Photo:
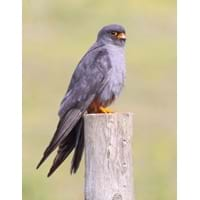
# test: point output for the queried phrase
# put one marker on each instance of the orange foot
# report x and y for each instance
(104, 110)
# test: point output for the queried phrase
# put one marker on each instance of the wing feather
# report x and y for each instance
(90, 77)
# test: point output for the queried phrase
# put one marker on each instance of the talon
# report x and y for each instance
(104, 110)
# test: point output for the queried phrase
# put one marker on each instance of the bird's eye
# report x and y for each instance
(114, 33)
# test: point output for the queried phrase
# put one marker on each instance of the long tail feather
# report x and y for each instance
(64, 150)
(65, 126)
(79, 147)
(66, 147)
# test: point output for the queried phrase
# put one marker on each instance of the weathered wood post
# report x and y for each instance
(108, 156)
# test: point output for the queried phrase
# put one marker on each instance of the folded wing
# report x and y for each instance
(89, 79)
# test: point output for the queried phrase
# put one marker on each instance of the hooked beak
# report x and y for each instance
(121, 36)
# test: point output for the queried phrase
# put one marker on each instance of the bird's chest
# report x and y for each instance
(116, 75)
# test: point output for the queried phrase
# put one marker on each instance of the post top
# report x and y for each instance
(96, 115)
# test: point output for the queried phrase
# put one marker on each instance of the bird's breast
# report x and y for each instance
(116, 75)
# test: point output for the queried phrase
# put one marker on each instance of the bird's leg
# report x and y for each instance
(104, 110)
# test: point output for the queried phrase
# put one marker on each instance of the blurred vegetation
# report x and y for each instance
(55, 36)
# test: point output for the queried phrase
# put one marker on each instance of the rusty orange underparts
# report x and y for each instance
(97, 107)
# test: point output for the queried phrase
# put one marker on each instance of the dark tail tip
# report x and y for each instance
(51, 171)
(40, 163)
(49, 174)
(72, 171)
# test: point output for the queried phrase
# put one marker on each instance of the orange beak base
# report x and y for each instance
(121, 36)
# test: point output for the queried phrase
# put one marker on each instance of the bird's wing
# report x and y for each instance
(90, 77)
(74, 140)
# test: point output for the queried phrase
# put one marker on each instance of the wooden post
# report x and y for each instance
(108, 156)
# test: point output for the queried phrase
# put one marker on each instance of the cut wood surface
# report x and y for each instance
(108, 156)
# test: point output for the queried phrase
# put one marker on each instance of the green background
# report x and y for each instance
(56, 34)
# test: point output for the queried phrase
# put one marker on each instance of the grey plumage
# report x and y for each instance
(99, 76)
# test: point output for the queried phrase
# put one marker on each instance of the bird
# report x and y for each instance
(96, 82)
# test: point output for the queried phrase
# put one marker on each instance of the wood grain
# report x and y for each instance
(108, 156)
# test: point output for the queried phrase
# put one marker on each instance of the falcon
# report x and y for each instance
(96, 82)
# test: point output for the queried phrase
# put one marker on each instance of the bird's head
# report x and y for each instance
(112, 34)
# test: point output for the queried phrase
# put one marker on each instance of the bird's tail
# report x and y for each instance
(74, 140)
(79, 147)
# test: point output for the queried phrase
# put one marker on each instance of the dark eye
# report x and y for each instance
(114, 33)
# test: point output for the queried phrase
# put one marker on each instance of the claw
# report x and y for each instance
(104, 110)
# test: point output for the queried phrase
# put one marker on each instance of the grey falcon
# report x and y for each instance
(96, 82)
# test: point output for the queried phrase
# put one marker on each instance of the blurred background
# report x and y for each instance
(56, 34)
